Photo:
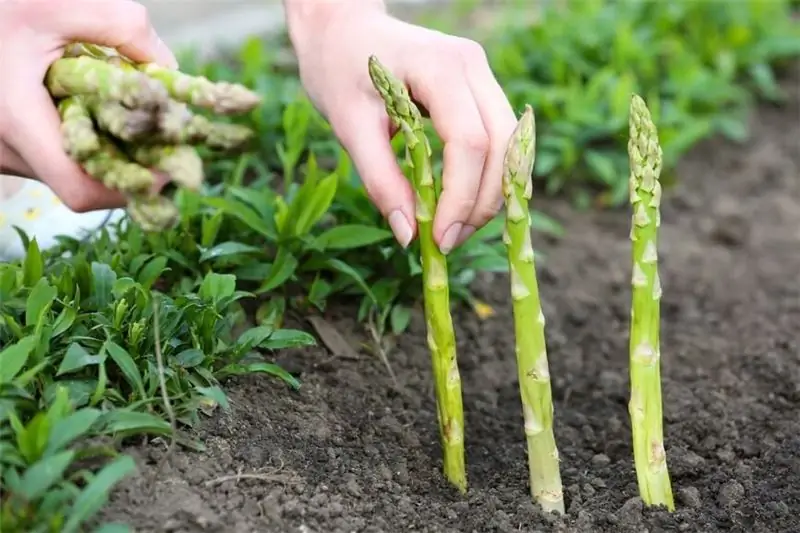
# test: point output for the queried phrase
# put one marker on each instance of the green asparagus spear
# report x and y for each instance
(221, 97)
(153, 213)
(88, 76)
(77, 129)
(532, 367)
(110, 166)
(123, 123)
(181, 163)
(441, 336)
(645, 157)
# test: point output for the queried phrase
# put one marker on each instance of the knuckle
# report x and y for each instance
(138, 20)
(470, 52)
(475, 141)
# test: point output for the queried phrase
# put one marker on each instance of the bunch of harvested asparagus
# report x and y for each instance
(123, 122)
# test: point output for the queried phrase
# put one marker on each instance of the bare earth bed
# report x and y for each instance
(348, 453)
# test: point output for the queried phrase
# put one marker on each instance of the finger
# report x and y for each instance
(499, 119)
(11, 163)
(458, 122)
(121, 24)
(35, 135)
(363, 131)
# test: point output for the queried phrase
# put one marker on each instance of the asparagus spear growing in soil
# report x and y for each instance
(441, 336)
(645, 157)
(77, 129)
(532, 367)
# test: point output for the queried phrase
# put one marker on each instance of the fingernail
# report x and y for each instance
(165, 56)
(465, 234)
(450, 236)
(400, 227)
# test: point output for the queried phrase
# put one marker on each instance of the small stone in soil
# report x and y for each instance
(690, 497)
(730, 494)
(601, 460)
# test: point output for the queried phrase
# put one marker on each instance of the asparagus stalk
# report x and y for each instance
(110, 166)
(531, 349)
(441, 336)
(181, 163)
(77, 129)
(645, 157)
(88, 76)
(153, 213)
(123, 123)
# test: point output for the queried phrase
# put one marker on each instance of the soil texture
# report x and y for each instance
(349, 453)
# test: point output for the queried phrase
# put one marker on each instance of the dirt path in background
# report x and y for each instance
(347, 454)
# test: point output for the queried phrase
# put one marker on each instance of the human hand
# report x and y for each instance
(34, 34)
(449, 76)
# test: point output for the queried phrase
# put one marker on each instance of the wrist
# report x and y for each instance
(305, 18)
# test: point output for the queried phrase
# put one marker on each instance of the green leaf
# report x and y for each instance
(133, 422)
(152, 271)
(40, 300)
(96, 494)
(274, 370)
(351, 236)
(308, 211)
(282, 269)
(254, 337)
(33, 268)
(103, 279)
(399, 318)
(113, 528)
(127, 365)
(43, 474)
(68, 429)
(14, 357)
(216, 287)
(288, 338)
(244, 213)
(227, 249)
(77, 358)
(347, 270)
(215, 394)
(190, 358)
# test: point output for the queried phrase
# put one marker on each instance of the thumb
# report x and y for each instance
(363, 130)
(121, 24)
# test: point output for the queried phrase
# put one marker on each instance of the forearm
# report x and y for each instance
(304, 18)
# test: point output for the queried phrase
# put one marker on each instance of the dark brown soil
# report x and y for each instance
(348, 454)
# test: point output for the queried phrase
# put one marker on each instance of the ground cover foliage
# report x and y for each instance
(132, 335)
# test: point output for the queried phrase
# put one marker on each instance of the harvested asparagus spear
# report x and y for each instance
(122, 121)
(441, 336)
(532, 367)
(87, 76)
(77, 130)
(181, 163)
(645, 408)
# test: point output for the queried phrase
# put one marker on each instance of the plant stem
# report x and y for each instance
(645, 409)
(531, 349)
(441, 336)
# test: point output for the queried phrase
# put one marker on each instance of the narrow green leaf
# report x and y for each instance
(14, 357)
(96, 494)
(67, 429)
(103, 279)
(242, 212)
(228, 249)
(127, 365)
(76, 358)
(127, 422)
(33, 267)
(274, 370)
(288, 338)
(215, 394)
(43, 474)
(282, 269)
(40, 300)
(351, 236)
